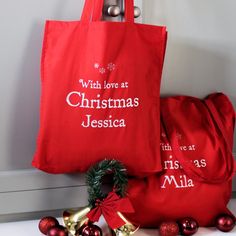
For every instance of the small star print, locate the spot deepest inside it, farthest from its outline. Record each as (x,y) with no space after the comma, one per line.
(163,135)
(102,70)
(179,136)
(111,66)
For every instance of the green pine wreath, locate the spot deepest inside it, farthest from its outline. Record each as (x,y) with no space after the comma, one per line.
(98,171)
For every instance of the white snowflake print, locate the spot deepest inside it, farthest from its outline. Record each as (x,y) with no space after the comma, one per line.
(96,65)
(179,136)
(111,66)
(163,135)
(102,70)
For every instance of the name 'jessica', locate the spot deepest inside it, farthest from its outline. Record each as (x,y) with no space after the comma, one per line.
(108,123)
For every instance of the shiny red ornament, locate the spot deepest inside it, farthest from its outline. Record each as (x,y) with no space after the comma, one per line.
(57,231)
(188,226)
(91,230)
(225,223)
(80,230)
(169,229)
(46,223)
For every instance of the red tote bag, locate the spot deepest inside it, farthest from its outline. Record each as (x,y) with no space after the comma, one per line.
(100,93)
(198,166)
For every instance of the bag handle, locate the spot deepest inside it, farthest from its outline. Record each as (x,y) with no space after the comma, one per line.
(210,105)
(215,114)
(87,10)
(93,10)
(197,173)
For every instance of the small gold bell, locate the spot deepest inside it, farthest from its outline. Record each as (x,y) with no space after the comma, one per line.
(127,229)
(73,220)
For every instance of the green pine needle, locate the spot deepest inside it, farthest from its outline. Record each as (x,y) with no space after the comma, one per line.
(94,178)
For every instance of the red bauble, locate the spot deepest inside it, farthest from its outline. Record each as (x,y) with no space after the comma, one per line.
(80,230)
(46,223)
(91,230)
(58,230)
(188,226)
(225,223)
(169,229)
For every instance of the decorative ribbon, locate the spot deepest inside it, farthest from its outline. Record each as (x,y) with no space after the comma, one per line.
(109,208)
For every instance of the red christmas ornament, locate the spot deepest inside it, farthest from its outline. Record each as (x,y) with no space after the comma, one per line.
(57,230)
(91,230)
(169,229)
(80,230)
(46,223)
(188,226)
(225,223)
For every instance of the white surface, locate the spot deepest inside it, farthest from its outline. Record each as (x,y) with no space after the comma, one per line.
(31,228)
(25,228)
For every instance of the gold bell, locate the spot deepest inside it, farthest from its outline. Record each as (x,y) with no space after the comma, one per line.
(73,220)
(127,229)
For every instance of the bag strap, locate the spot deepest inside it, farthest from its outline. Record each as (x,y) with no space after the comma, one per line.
(193,172)
(87,10)
(215,114)
(190,169)
(129,11)
(93,10)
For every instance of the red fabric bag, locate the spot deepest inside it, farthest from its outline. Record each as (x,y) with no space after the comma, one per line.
(100,93)
(196,144)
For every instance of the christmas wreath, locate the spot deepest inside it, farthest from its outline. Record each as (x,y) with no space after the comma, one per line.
(109,205)
(94,180)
